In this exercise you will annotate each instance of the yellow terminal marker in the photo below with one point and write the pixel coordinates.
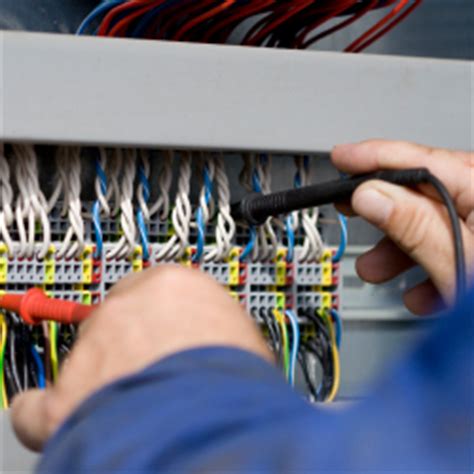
(49, 269)
(137, 260)
(87, 264)
(3, 263)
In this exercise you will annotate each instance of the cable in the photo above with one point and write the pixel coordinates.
(280, 318)
(3, 343)
(291, 237)
(336, 363)
(143, 196)
(53, 342)
(294, 345)
(98, 11)
(271, 330)
(336, 258)
(39, 367)
(13, 364)
(461, 285)
(338, 323)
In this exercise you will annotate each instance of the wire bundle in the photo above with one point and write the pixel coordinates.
(313, 338)
(294, 24)
(30, 356)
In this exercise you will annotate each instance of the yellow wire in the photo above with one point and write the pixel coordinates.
(281, 321)
(336, 363)
(3, 342)
(53, 329)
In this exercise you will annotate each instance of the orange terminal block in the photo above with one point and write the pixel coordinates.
(34, 307)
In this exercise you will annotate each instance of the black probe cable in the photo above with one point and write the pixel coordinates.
(257, 208)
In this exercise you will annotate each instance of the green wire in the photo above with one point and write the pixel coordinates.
(286, 347)
(2, 364)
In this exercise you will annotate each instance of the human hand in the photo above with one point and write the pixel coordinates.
(415, 222)
(145, 317)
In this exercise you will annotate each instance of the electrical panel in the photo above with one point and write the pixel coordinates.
(101, 214)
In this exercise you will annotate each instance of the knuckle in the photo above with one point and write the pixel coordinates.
(53, 413)
(410, 228)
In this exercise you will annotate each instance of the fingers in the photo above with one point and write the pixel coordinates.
(417, 225)
(423, 299)
(29, 416)
(383, 262)
(455, 169)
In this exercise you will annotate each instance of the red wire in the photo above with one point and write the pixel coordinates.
(264, 32)
(104, 26)
(355, 44)
(186, 8)
(121, 26)
(233, 19)
(333, 12)
(202, 18)
(389, 27)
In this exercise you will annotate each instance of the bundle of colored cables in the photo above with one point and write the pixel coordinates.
(290, 346)
(30, 355)
(274, 23)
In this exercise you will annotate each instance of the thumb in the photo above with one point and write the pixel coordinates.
(30, 418)
(416, 223)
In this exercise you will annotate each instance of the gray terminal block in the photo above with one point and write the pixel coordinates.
(309, 299)
(261, 273)
(257, 300)
(307, 273)
(25, 271)
(68, 271)
(219, 271)
(113, 270)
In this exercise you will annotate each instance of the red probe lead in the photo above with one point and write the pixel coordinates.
(34, 307)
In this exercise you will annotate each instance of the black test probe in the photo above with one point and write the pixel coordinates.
(256, 208)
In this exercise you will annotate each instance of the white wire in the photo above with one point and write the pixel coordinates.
(145, 163)
(113, 170)
(312, 243)
(181, 214)
(6, 200)
(68, 161)
(126, 244)
(101, 197)
(225, 227)
(31, 203)
(266, 243)
(162, 204)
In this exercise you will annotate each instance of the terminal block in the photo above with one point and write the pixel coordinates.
(314, 273)
(314, 299)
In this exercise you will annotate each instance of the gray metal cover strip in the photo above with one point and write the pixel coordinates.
(66, 89)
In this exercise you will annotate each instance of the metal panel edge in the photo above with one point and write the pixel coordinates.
(66, 89)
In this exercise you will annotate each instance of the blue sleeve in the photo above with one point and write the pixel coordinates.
(223, 410)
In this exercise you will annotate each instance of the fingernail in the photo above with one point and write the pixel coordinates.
(344, 147)
(372, 205)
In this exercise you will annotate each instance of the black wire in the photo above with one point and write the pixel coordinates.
(461, 284)
(13, 364)
(271, 331)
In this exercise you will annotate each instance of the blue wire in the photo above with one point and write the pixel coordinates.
(250, 244)
(201, 226)
(96, 209)
(100, 10)
(294, 345)
(343, 239)
(142, 228)
(257, 187)
(39, 367)
(338, 321)
(291, 237)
